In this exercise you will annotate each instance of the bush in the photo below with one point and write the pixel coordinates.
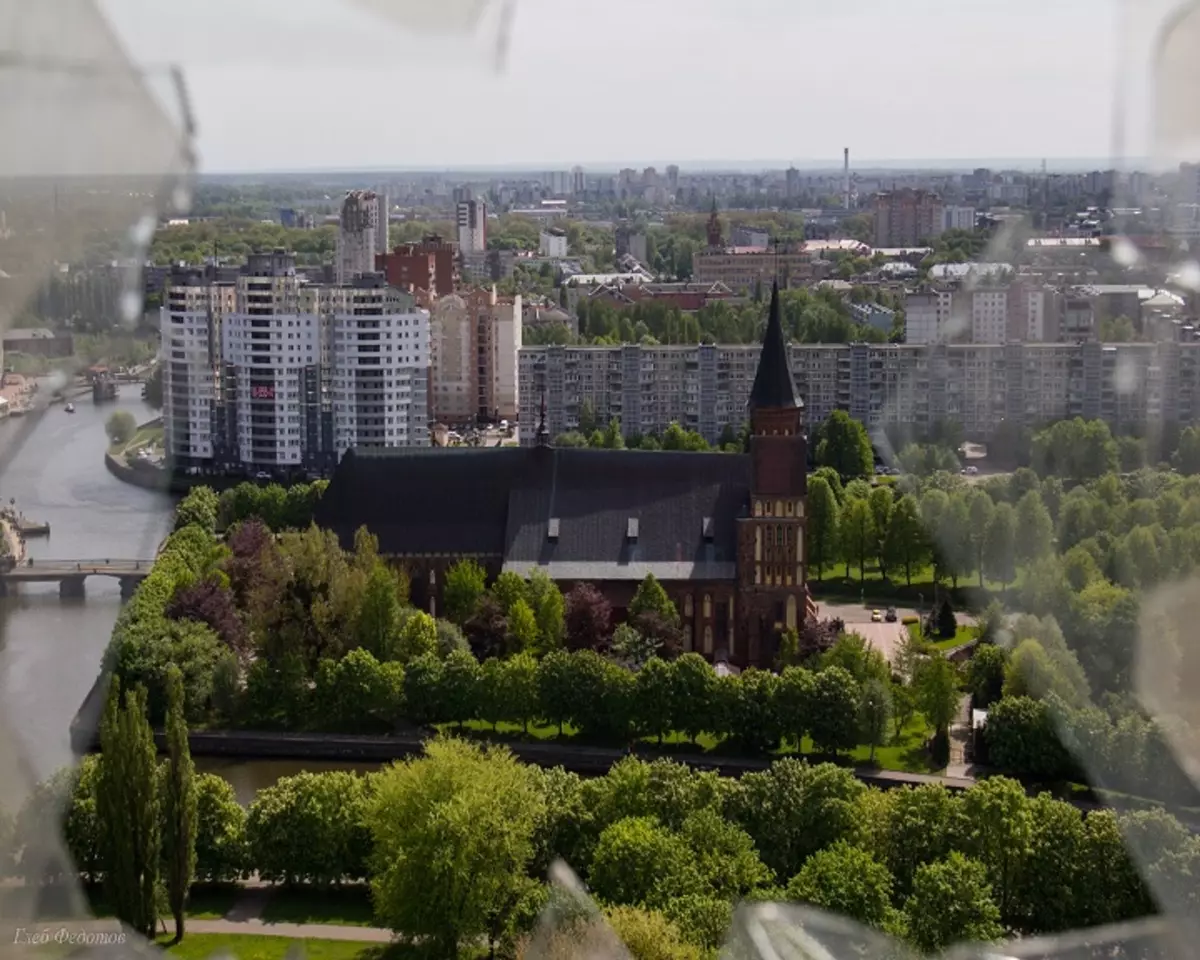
(220, 831)
(910, 621)
(120, 427)
(648, 935)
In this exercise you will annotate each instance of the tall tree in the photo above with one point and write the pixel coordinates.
(874, 713)
(846, 881)
(883, 505)
(465, 583)
(127, 806)
(857, 535)
(951, 902)
(822, 526)
(1036, 529)
(905, 544)
(453, 836)
(936, 687)
(1000, 545)
(980, 509)
(179, 804)
(845, 446)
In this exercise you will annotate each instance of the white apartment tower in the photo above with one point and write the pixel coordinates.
(472, 225)
(191, 320)
(362, 233)
(288, 375)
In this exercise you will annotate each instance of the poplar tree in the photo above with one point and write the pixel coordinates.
(127, 807)
(179, 805)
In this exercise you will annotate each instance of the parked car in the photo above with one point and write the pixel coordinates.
(876, 616)
(890, 616)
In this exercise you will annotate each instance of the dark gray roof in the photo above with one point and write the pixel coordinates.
(499, 503)
(773, 383)
(593, 494)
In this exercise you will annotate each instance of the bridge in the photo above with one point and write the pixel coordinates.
(70, 575)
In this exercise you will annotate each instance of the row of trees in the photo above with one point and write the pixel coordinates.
(677, 848)
(279, 507)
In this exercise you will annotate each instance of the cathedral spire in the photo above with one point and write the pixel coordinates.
(774, 387)
(543, 432)
(714, 227)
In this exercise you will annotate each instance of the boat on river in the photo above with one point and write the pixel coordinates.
(70, 408)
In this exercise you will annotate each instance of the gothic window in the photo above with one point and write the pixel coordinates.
(758, 508)
(707, 607)
(758, 539)
(708, 640)
(779, 508)
(687, 605)
(791, 613)
(790, 508)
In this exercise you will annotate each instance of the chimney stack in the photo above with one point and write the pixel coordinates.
(846, 182)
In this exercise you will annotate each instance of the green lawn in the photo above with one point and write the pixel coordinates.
(907, 754)
(962, 634)
(350, 906)
(202, 946)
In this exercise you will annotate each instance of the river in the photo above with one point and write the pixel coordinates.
(53, 466)
(54, 469)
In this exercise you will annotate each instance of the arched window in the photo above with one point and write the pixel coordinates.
(687, 605)
(791, 613)
(707, 607)
(708, 640)
(758, 508)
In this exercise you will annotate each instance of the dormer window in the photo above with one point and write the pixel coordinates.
(706, 528)
(552, 529)
(631, 528)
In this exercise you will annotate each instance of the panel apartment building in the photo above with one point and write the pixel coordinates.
(270, 372)
(706, 387)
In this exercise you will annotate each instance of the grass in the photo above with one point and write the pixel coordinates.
(962, 634)
(202, 946)
(350, 906)
(907, 754)
(147, 435)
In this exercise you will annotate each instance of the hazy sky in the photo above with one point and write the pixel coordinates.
(299, 84)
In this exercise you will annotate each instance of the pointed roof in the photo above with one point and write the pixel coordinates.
(773, 384)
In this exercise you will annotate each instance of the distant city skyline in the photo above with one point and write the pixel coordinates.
(312, 85)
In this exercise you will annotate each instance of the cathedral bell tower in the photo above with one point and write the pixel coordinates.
(772, 568)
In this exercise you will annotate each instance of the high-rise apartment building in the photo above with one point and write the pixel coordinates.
(276, 373)
(472, 225)
(362, 233)
(475, 340)
(905, 218)
(704, 388)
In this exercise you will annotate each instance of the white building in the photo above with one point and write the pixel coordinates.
(958, 218)
(553, 243)
(191, 318)
(274, 373)
(362, 233)
(472, 226)
(989, 316)
(927, 317)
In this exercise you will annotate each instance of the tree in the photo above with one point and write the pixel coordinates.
(920, 827)
(465, 583)
(985, 674)
(822, 527)
(120, 427)
(833, 711)
(653, 694)
(695, 684)
(220, 830)
(725, 855)
(936, 686)
(378, 612)
(588, 618)
(556, 697)
(874, 713)
(522, 628)
(180, 815)
(127, 806)
(857, 535)
(1000, 545)
(650, 597)
(905, 543)
(508, 589)
(632, 647)
(882, 505)
(453, 839)
(845, 446)
(980, 510)
(418, 637)
(847, 881)
(951, 902)
(640, 863)
(199, 507)
(1036, 538)
(548, 610)
(152, 391)
(995, 830)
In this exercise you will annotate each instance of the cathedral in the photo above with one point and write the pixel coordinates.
(723, 533)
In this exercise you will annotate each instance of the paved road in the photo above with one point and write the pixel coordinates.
(884, 637)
